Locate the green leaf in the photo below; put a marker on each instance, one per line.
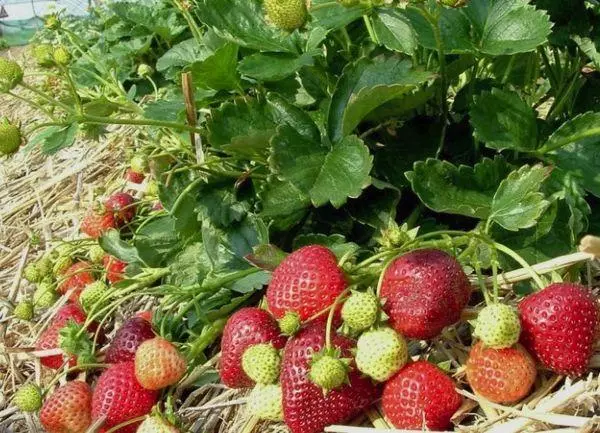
(246, 125)
(324, 174)
(218, 71)
(100, 107)
(112, 243)
(157, 240)
(364, 86)
(189, 266)
(336, 243)
(182, 54)
(273, 66)
(394, 30)
(165, 109)
(218, 203)
(507, 26)
(502, 120)
(55, 138)
(243, 22)
(251, 283)
(266, 256)
(376, 207)
(462, 190)
(518, 202)
(589, 48)
(283, 204)
(332, 16)
(575, 147)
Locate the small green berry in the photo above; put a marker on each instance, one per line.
(44, 266)
(286, 14)
(92, 294)
(144, 71)
(45, 296)
(43, 54)
(64, 249)
(381, 353)
(28, 398)
(11, 75)
(498, 326)
(62, 264)
(290, 323)
(328, 371)
(96, 254)
(139, 163)
(10, 137)
(265, 402)
(24, 310)
(261, 363)
(152, 189)
(61, 56)
(52, 22)
(360, 311)
(32, 273)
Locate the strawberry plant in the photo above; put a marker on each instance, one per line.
(367, 172)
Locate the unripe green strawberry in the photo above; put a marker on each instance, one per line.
(28, 398)
(139, 162)
(289, 323)
(381, 353)
(328, 370)
(144, 71)
(64, 249)
(44, 265)
(11, 75)
(61, 55)
(96, 254)
(61, 265)
(24, 310)
(265, 402)
(32, 273)
(360, 310)
(43, 54)
(286, 14)
(45, 296)
(156, 424)
(498, 326)
(261, 363)
(92, 294)
(52, 22)
(10, 136)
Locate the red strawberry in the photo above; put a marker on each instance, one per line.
(558, 327)
(158, 364)
(115, 269)
(145, 314)
(305, 408)
(306, 282)
(425, 291)
(420, 395)
(76, 277)
(501, 375)
(134, 176)
(49, 338)
(95, 224)
(122, 206)
(68, 409)
(119, 396)
(127, 339)
(246, 327)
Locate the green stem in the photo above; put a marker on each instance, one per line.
(323, 6)
(72, 88)
(47, 98)
(536, 278)
(126, 423)
(154, 87)
(480, 281)
(33, 104)
(370, 29)
(330, 317)
(144, 122)
(184, 193)
(56, 378)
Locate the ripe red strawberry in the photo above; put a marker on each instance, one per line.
(306, 282)
(425, 291)
(558, 327)
(134, 176)
(305, 407)
(49, 338)
(246, 327)
(501, 375)
(76, 277)
(158, 364)
(115, 269)
(119, 396)
(95, 224)
(68, 409)
(122, 206)
(420, 395)
(127, 339)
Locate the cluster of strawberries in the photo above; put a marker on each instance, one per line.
(311, 372)
(139, 365)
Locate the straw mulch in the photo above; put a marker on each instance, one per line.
(42, 199)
